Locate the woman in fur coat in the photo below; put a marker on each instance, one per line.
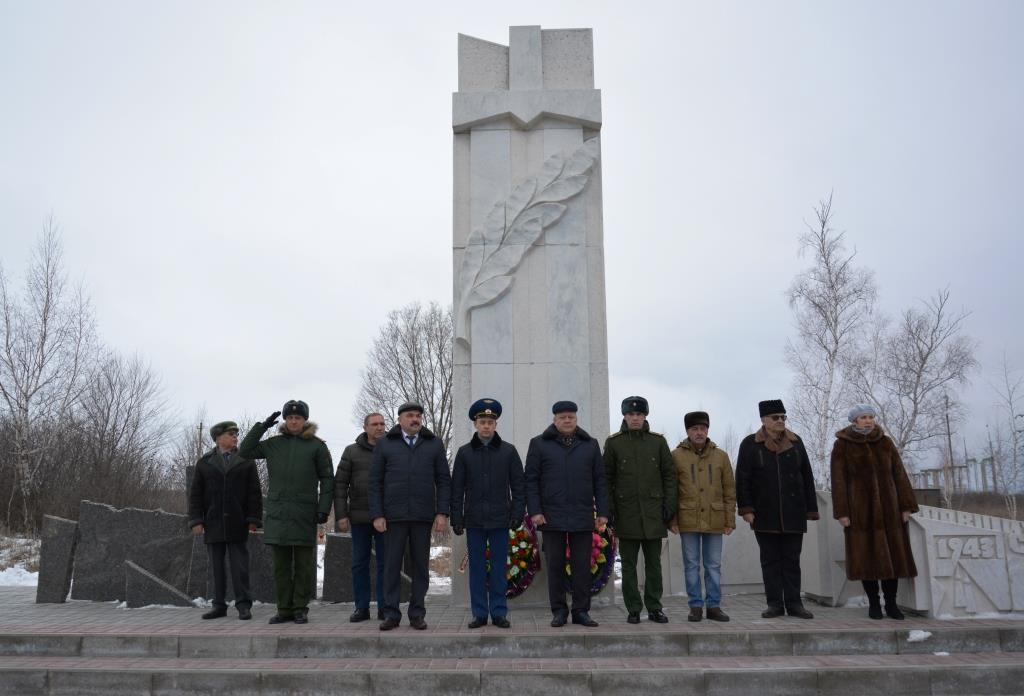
(872, 498)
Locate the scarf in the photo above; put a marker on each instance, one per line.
(778, 446)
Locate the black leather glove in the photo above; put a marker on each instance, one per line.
(458, 529)
(515, 523)
(321, 518)
(271, 419)
(667, 515)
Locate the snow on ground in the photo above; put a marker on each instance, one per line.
(18, 577)
(859, 602)
(320, 551)
(918, 636)
(19, 562)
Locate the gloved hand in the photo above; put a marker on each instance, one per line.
(321, 518)
(271, 419)
(667, 515)
(514, 523)
(458, 529)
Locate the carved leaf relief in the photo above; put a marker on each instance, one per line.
(496, 249)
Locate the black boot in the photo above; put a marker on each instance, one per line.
(874, 605)
(889, 592)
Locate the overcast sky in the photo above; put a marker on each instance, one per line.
(246, 188)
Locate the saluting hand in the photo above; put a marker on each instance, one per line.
(271, 419)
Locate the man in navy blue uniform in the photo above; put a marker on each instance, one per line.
(565, 483)
(488, 499)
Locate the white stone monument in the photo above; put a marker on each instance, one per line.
(528, 245)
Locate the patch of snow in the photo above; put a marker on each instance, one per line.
(859, 602)
(201, 603)
(18, 577)
(438, 551)
(917, 636)
(122, 605)
(321, 549)
(941, 654)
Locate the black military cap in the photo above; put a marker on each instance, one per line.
(564, 407)
(635, 404)
(489, 408)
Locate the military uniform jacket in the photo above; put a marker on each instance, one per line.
(488, 488)
(641, 482)
(301, 478)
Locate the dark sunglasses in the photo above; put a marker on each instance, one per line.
(778, 418)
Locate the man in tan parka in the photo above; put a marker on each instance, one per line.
(706, 512)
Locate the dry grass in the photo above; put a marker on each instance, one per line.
(15, 551)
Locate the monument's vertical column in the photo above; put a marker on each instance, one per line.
(528, 242)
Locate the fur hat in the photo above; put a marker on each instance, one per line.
(635, 404)
(770, 407)
(221, 428)
(295, 408)
(696, 418)
(564, 407)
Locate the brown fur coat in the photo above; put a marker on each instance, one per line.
(871, 487)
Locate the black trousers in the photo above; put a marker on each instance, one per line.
(579, 544)
(237, 553)
(415, 536)
(780, 568)
(889, 587)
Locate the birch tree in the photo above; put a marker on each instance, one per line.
(832, 301)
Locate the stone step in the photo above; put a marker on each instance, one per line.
(570, 643)
(839, 675)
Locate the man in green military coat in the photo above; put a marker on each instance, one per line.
(642, 488)
(297, 462)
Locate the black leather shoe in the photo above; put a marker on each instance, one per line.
(279, 619)
(772, 612)
(501, 622)
(359, 615)
(583, 619)
(696, 614)
(799, 612)
(418, 623)
(657, 616)
(301, 617)
(477, 622)
(244, 613)
(716, 614)
(388, 624)
(380, 614)
(558, 620)
(633, 617)
(216, 613)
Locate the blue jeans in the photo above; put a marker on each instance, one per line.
(362, 536)
(698, 546)
(487, 591)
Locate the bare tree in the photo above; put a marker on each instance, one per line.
(411, 360)
(46, 347)
(1005, 450)
(831, 301)
(911, 373)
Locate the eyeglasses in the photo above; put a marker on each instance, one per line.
(781, 417)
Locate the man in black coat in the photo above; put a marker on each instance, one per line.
(352, 511)
(488, 499)
(565, 482)
(225, 505)
(410, 488)
(775, 495)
